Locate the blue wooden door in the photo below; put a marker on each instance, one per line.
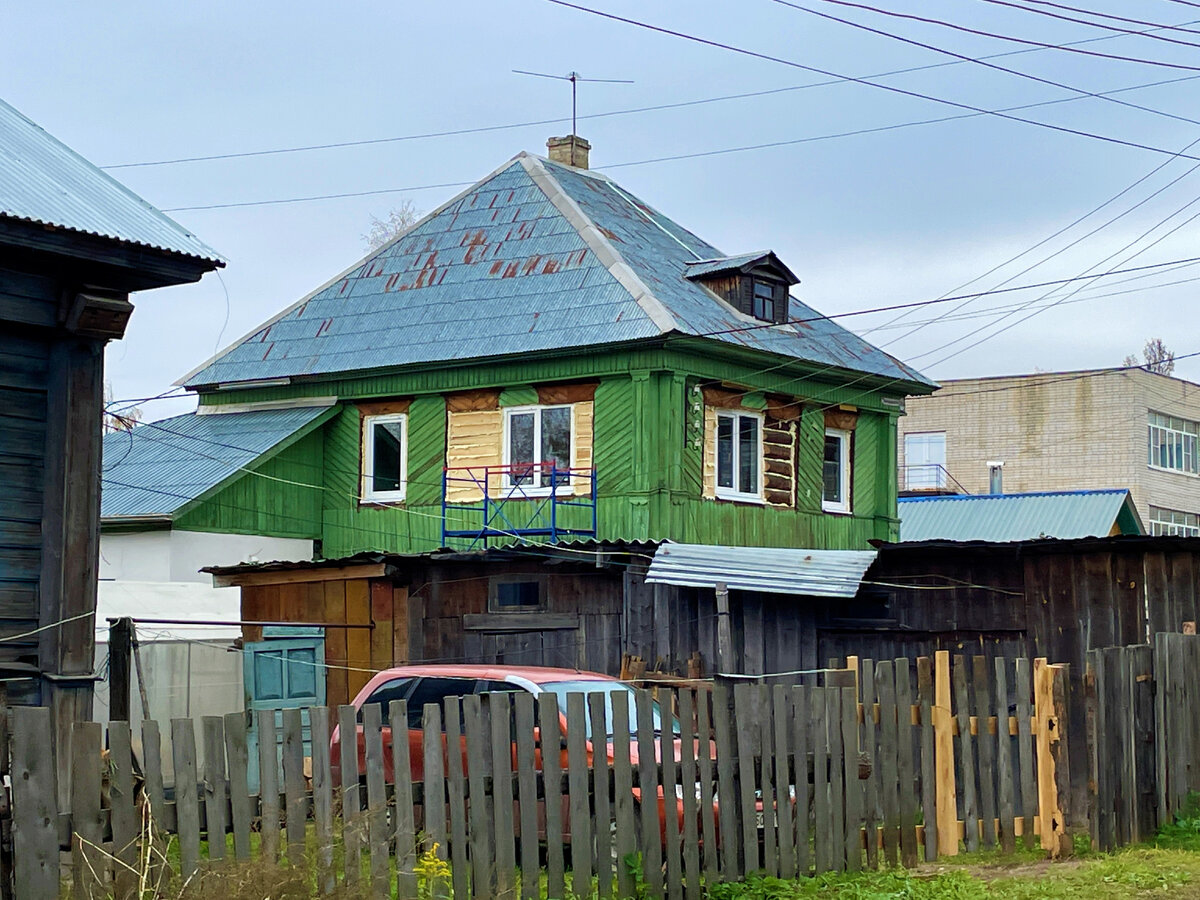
(282, 673)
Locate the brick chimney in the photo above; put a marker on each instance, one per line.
(571, 150)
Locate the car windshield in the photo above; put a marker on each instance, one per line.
(560, 689)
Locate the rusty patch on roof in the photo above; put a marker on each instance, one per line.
(496, 267)
(510, 270)
(551, 267)
(531, 264)
(608, 233)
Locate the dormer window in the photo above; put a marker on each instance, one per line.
(755, 284)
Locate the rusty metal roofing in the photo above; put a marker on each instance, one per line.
(1018, 517)
(159, 467)
(772, 570)
(535, 257)
(44, 181)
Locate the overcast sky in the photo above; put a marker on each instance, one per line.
(865, 220)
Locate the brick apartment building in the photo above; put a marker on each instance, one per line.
(1051, 431)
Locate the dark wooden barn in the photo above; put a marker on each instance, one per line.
(73, 245)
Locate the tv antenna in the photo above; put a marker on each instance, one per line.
(574, 78)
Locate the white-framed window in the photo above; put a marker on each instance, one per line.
(385, 458)
(739, 455)
(925, 461)
(537, 447)
(835, 471)
(1173, 522)
(1171, 443)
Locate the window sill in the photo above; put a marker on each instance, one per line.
(755, 499)
(837, 510)
(381, 502)
(1173, 471)
(516, 492)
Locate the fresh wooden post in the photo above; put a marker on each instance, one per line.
(87, 857)
(602, 827)
(623, 811)
(966, 749)
(452, 786)
(1049, 814)
(1025, 750)
(928, 762)
(322, 790)
(35, 810)
(888, 761)
(943, 735)
(122, 810)
(480, 834)
(687, 777)
(822, 817)
(352, 826)
(1008, 840)
(785, 830)
(980, 677)
(155, 796)
(906, 766)
(239, 793)
(550, 731)
(215, 787)
(801, 708)
(268, 784)
(187, 803)
(853, 787)
(502, 792)
(293, 785)
(652, 858)
(726, 783)
(406, 832)
(378, 838)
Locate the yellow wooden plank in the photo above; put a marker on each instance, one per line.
(946, 793)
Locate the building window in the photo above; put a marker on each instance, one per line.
(516, 593)
(1174, 522)
(1172, 443)
(836, 471)
(537, 447)
(739, 455)
(764, 299)
(385, 452)
(925, 461)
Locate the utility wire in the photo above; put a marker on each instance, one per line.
(1102, 15)
(1124, 31)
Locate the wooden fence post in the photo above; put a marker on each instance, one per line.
(1049, 814)
(35, 811)
(943, 735)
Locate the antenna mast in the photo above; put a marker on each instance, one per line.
(574, 78)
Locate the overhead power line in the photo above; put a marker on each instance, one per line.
(1089, 12)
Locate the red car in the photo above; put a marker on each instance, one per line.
(420, 685)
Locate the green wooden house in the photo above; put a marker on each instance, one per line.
(547, 357)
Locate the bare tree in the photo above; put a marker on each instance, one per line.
(399, 220)
(1157, 358)
(118, 421)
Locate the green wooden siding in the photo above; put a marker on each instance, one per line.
(647, 449)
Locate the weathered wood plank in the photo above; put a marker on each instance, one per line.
(966, 748)
(479, 838)
(889, 764)
(237, 755)
(379, 839)
(853, 788)
(785, 830)
(294, 785)
(747, 737)
(708, 822)
(35, 810)
(906, 765)
(352, 818)
(322, 787)
(1024, 687)
(527, 794)
(215, 786)
(803, 727)
(822, 815)
(726, 783)
(766, 779)
(551, 740)
(928, 762)
(152, 768)
(578, 791)
(502, 790)
(451, 786)
(122, 811)
(88, 861)
(1006, 806)
(868, 739)
(671, 835)
(651, 831)
(268, 785)
(837, 780)
(688, 741)
(602, 824)
(986, 744)
(187, 803)
(405, 824)
(624, 813)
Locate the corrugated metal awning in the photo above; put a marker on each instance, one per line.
(773, 570)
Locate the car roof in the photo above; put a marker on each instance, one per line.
(536, 674)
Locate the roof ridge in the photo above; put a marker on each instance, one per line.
(1015, 495)
(601, 247)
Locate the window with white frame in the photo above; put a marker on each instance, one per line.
(1171, 443)
(739, 455)
(385, 458)
(1173, 522)
(835, 494)
(537, 447)
(925, 461)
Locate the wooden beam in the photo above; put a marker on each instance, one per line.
(520, 622)
(300, 576)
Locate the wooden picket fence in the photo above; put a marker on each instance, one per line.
(870, 767)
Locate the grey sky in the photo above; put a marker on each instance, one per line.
(868, 220)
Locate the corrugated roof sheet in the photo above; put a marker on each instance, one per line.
(42, 180)
(158, 467)
(724, 263)
(536, 256)
(1017, 517)
(773, 570)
